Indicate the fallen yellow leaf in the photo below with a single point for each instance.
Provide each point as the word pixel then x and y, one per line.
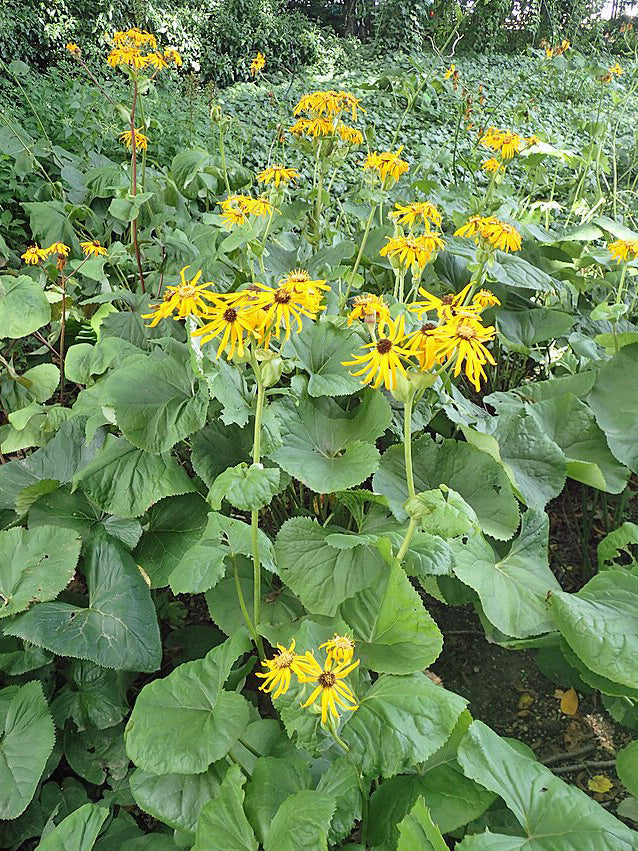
pixel 600 784
pixel 569 702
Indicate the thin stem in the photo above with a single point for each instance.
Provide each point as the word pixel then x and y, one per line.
pixel 362 246
pixel 333 732
pixel 222 154
pixel 407 540
pixel 254 515
pixel 407 444
pixel 62 333
pixel 244 609
pixel 134 185
pixel 318 199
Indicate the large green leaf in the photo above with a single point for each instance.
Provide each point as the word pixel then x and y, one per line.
pixel 118 629
pixel 473 474
pixel 627 767
pixel 325 447
pixel 272 781
pixel 84 360
pixel 27 737
pixel 394 632
pixel 124 480
pixel 533 325
pixel 341 780
pixel 174 525
pixel 417 830
pixel 324 568
pixel 176 799
pixel 217 447
pixel 571 425
pixel 301 822
pixel 23 306
pixel 35 565
pixel 186 721
pixel 599 623
pixel 619 549
pixel 156 399
pixel 614 401
pixel 78 831
pixel 92 696
pixel 322 347
pixel 248 488
pixel 400 722
pixel 553 815
pixel 223 825
pixel 513 590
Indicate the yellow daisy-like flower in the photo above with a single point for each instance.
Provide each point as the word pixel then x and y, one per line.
pixel 237 208
pixel 277 174
pixel 616 69
pixel 349 135
pixel 502 235
pixel 408 214
pixel 127 56
pixel 329 685
pixel 412 250
pixel 330 103
pixel 257 64
pixel 317 125
pixel 387 164
pixel 472 226
pixel 621 249
pixel 156 60
pixel 339 649
pixel 58 248
pixel 280 670
pixel 171 55
pixel 141 141
pixel 302 284
pixel 279 307
pixel 510 145
pixel 93 248
pixel 464 338
pixel 450 71
pixel 232 324
pixel 492 139
pixel 447 307
pixel 383 359
pixel 492 165
pixel 259 207
pixel 372 309
pixel 134 36
pixel 423 345
pixel 186 298
pixel 34 255
pixel 73 48
pixel 484 299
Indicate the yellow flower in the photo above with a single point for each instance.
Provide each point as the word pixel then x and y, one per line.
pixel 472 227
pixel 387 164
pixel 510 144
pixel 329 103
pixel 302 284
pixel 58 248
pixel 186 298
pixel 492 165
pixel 230 322
pixel 381 362
pixel 411 250
pixel 279 306
pixel 329 684
pixel 257 64
pixel 340 649
pixel 492 138
pixel 141 141
pixel 449 72
pixel 73 48
pixel 156 60
pixel 407 214
pixel 616 69
pixel 259 207
pixel 316 126
pixel 485 298
pixel 280 668
pixel 621 249
pixel 171 55
pixel 422 344
pixel 502 235
pixel 34 255
pixel 127 56
pixel 237 208
pixel 349 135
pixel 93 247
pixel 277 174
pixel 446 307
pixel 134 36
pixel 370 308
pixel 464 338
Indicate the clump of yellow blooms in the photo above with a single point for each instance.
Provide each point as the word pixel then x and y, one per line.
pixel 624 250
pixel 506 144
pixel 414 250
pixel 237 209
pixel 328 680
pixel 558 50
pixel 257 64
pixel 492 232
pixel 185 299
pixel 137 49
pixel 387 164
pixel 322 116
pixel 34 255
pixel 277 174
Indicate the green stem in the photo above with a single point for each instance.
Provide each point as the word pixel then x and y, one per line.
pixel 335 735
pixel 362 246
pixel 254 515
pixel 222 154
pixel 407 445
pixel 407 540
pixel 244 609
pixel 319 198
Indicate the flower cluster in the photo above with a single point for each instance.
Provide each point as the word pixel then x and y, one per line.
pixel 551 52
pixel 322 116
pixel 614 71
pixel 492 231
pixel 507 145
pixel 237 209
pixel 137 49
pixel 624 250
pixel 257 64
pixel 414 250
pixel 35 255
pixel 328 681
pixel 252 315
pixel 277 174
pixel 387 164
pixel 460 337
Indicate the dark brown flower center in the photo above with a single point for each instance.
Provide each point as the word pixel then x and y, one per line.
pixel 429 326
pixel 327 679
pixel 284 660
pixel 384 346
pixel 447 299
pixel 282 296
pixel 230 314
